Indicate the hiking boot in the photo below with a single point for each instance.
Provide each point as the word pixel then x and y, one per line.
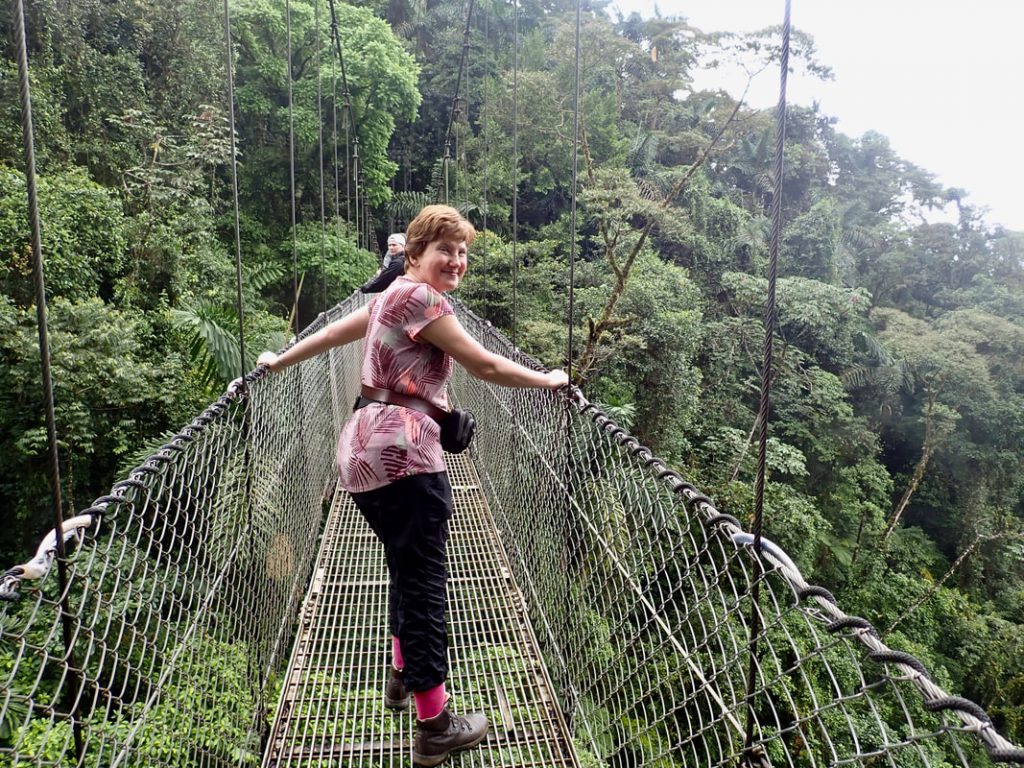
pixel 396 695
pixel 439 736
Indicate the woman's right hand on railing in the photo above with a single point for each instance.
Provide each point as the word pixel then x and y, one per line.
pixel 268 359
pixel 556 379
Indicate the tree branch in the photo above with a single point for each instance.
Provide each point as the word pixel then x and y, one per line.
pixel 587 359
pixel 978 539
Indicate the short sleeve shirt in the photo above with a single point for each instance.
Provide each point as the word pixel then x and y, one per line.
pixel 383 443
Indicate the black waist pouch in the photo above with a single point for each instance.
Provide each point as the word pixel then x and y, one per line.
pixel 457 430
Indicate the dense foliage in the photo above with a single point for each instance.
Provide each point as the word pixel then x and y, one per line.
pixel 895 461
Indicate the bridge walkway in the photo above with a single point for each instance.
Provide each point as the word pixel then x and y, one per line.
pixel 331 709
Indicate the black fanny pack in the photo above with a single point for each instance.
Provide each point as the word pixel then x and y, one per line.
pixel 457 425
pixel 457 430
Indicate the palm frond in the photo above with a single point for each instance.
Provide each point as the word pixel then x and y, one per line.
pixel 875 349
pixel 258 275
pixel 857 377
pixel 404 206
pixel 642 151
pixel 212 342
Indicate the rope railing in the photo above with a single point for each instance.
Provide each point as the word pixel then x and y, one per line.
pixel 184 594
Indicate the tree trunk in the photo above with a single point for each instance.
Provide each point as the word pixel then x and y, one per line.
pixel 588 358
pixel 978 539
pixel 295 303
pixel 915 480
pixel 935 431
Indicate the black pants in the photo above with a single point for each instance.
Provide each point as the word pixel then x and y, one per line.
pixel 410 517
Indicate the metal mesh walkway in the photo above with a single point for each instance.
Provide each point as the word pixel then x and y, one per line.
pixel 331 711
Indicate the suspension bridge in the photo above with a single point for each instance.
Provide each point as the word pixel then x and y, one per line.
pixel 224 605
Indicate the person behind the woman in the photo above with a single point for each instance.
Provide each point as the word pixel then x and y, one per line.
pixel 389 459
pixel 393 266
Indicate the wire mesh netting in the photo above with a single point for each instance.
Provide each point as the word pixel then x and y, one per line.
pixel 183 603
pixel 180 602
pixel 641 593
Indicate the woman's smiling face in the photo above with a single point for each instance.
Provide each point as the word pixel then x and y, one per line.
pixel 441 265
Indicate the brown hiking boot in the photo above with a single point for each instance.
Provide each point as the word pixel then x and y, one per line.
pixel 439 736
pixel 396 695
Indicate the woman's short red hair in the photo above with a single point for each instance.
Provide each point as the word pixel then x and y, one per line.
pixel 435 222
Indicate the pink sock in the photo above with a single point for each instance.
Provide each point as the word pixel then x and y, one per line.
pixel 396 654
pixel 430 703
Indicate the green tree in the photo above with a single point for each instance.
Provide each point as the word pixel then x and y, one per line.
pixel 83 240
pixel 381 78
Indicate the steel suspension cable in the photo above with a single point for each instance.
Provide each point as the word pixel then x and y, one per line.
pixel 357 210
pixel 455 98
pixel 348 161
pixel 39 284
pixel 515 172
pixel 243 384
pixel 351 131
pixel 770 320
pixel 571 317
pixel 368 226
pixel 320 152
pixel 334 143
pixel 456 136
pixel 486 134
pixel 567 522
pixel 291 170
pixel 229 63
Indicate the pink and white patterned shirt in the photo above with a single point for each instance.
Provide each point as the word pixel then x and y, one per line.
pixel 384 443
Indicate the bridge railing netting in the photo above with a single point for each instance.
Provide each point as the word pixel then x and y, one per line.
pixel 182 596
pixel 182 590
pixel 641 594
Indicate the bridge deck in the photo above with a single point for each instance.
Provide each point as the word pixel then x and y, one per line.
pixel 331 710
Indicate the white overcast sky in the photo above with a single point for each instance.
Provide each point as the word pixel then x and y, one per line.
pixel 941 78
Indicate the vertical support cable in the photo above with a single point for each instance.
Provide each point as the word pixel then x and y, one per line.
pixel 234 194
pixel 358 217
pixel 393 185
pixel 348 157
pixel 571 319
pixel 569 551
pixel 351 141
pixel 486 132
pixel 458 148
pixel 291 170
pixel 370 246
pixel 252 661
pixel 766 380
pixel 334 144
pixel 320 152
pixel 458 80
pixel 367 217
pixel 444 169
pixel 39 283
pixel 515 171
pixel 455 100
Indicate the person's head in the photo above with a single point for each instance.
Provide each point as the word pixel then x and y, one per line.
pixel 437 243
pixel 396 243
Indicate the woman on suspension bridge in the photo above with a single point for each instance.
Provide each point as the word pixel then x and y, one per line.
pixel 389 458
